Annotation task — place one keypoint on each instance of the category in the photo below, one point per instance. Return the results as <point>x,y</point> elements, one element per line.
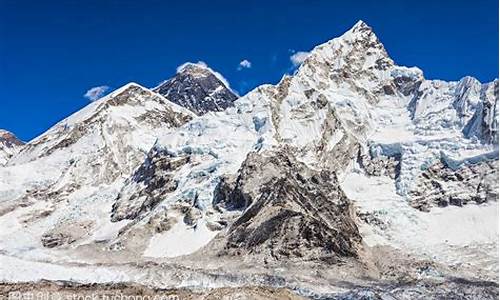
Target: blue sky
<point>52,52</point>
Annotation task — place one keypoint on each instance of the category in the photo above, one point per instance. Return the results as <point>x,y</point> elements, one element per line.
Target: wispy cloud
<point>96,92</point>
<point>297,58</point>
<point>244,64</point>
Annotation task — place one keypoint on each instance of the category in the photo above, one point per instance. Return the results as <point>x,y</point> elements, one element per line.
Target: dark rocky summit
<point>198,89</point>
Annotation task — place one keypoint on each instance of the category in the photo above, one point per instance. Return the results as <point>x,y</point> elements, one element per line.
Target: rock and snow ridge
<point>78,163</point>
<point>157,175</point>
<point>9,145</point>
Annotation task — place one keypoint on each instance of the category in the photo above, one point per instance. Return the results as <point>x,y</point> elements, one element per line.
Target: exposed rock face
<point>9,145</point>
<point>149,185</point>
<point>198,89</point>
<point>443,184</point>
<point>290,211</point>
<point>52,240</point>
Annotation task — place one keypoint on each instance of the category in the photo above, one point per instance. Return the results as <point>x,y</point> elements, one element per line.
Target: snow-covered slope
<point>61,177</point>
<point>198,88</point>
<point>144,179</point>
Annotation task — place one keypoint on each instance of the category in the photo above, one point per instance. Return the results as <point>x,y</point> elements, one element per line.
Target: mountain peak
<point>360,26</point>
<point>8,138</point>
<point>194,68</point>
<point>200,70</point>
<point>357,50</point>
<point>9,145</point>
<point>198,88</point>
<point>361,32</point>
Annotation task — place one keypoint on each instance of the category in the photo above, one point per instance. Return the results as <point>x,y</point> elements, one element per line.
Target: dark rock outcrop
<point>442,184</point>
<point>289,211</point>
<point>55,240</point>
<point>149,185</point>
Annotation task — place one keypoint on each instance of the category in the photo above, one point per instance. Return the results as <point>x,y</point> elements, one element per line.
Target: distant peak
<point>133,85</point>
<point>361,33</point>
<point>360,26</point>
<point>190,67</point>
<point>123,92</point>
<point>9,138</point>
<point>125,88</point>
<point>200,70</point>
<point>198,88</point>
<point>4,133</point>
<point>357,49</point>
<point>361,30</point>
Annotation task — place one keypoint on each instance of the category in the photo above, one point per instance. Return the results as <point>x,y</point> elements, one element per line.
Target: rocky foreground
<point>455,289</point>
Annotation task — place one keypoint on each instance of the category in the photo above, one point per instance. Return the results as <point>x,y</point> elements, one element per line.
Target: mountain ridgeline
<point>336,170</point>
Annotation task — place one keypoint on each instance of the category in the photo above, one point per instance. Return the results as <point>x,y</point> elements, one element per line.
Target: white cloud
<point>244,64</point>
<point>202,64</point>
<point>96,92</point>
<point>299,57</point>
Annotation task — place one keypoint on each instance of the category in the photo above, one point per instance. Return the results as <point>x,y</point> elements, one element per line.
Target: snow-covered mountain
<point>352,164</point>
<point>9,145</point>
<point>198,88</point>
<point>85,154</point>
